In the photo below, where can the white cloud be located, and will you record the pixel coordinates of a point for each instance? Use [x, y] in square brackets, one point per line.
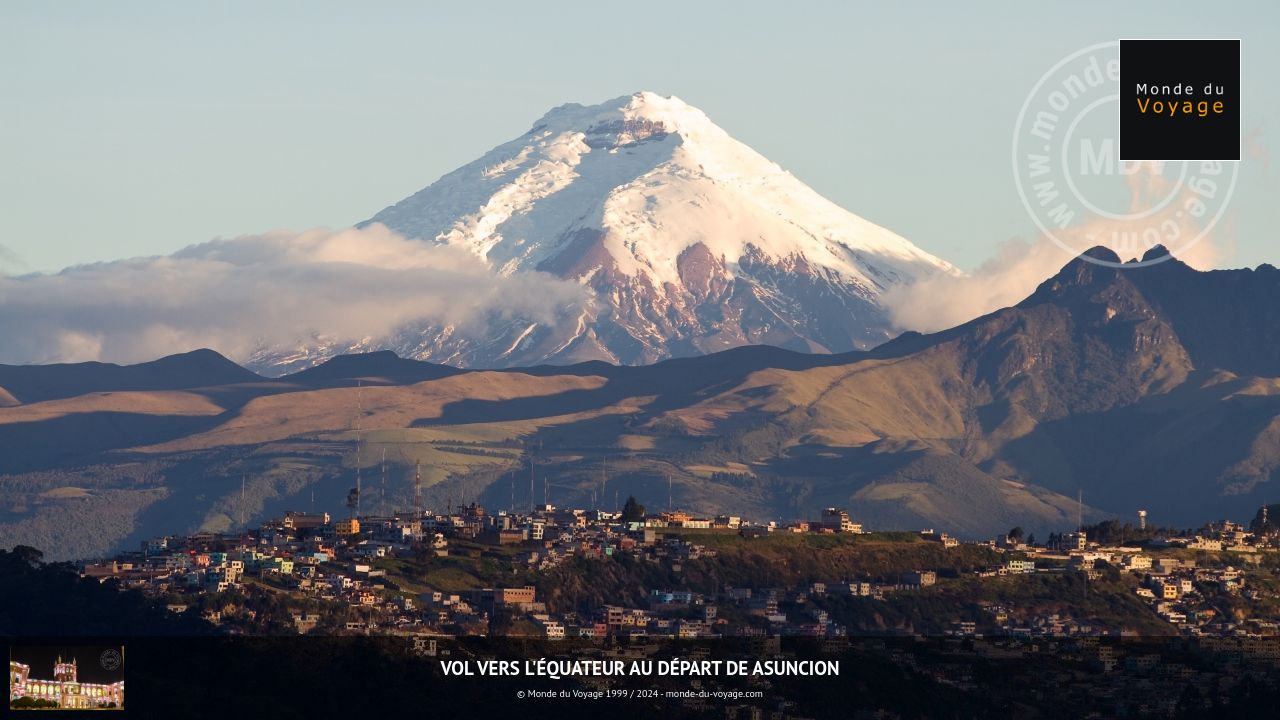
[944, 301]
[277, 289]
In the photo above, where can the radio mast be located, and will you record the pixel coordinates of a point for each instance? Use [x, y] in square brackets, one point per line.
[359, 412]
[417, 489]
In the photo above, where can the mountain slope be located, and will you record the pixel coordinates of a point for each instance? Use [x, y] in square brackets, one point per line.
[1091, 384]
[1105, 381]
[689, 241]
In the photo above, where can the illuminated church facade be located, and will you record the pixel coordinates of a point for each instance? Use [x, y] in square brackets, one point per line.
[64, 689]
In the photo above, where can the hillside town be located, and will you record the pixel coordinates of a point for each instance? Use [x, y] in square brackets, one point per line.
[364, 575]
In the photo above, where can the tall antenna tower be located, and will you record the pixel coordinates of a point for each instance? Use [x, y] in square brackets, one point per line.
[242, 474]
[359, 413]
[1079, 510]
[382, 500]
[668, 492]
[531, 483]
[417, 489]
[604, 478]
[357, 508]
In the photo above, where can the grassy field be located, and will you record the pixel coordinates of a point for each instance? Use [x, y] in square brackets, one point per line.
[468, 566]
[778, 561]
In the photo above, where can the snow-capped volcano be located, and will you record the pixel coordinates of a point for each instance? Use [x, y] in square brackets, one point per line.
[687, 240]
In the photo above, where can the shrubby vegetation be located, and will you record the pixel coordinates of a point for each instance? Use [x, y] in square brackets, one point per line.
[30, 703]
[81, 527]
[931, 610]
[779, 561]
[1113, 532]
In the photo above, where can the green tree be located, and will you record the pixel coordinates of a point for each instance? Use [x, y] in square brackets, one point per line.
[1015, 534]
[1266, 519]
[632, 511]
[28, 555]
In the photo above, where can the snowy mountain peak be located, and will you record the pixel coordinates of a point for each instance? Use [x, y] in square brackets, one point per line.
[687, 241]
[631, 118]
[653, 176]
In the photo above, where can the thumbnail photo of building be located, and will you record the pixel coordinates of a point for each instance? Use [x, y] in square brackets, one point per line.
[64, 690]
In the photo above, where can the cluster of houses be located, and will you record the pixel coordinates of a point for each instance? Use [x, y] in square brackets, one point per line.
[341, 562]
[1176, 588]
[338, 560]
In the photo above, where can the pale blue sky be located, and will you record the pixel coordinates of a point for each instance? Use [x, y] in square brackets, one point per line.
[134, 128]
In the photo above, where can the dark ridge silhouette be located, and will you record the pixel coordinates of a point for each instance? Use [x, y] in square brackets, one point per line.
[195, 369]
[39, 599]
[1226, 319]
[382, 367]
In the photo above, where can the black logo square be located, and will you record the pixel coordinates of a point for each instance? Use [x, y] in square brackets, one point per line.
[1179, 99]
